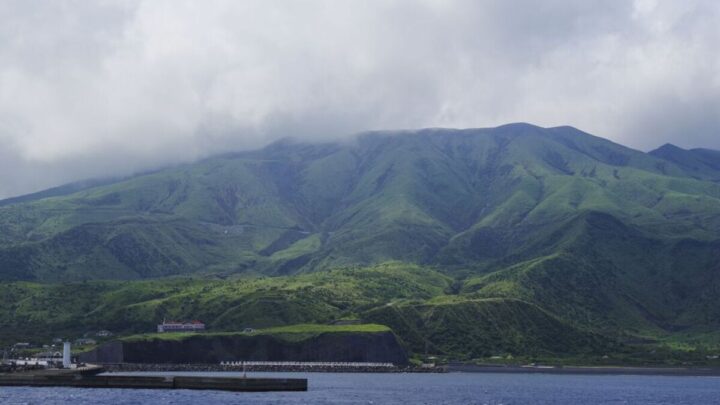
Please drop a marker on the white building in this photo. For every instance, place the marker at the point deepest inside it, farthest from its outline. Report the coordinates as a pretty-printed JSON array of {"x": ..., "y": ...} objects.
[{"x": 172, "y": 326}]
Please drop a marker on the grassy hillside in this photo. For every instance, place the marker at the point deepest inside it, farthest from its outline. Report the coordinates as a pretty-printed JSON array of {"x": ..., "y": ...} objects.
[
  {"x": 288, "y": 332},
  {"x": 409, "y": 299},
  {"x": 421, "y": 306},
  {"x": 44, "y": 311}
]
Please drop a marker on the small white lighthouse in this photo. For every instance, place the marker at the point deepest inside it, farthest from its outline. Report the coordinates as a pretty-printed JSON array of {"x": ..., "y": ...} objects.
[{"x": 66, "y": 355}]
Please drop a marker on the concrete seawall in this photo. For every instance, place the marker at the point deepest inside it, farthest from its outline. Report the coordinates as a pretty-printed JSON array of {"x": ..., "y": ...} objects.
[{"x": 153, "y": 382}]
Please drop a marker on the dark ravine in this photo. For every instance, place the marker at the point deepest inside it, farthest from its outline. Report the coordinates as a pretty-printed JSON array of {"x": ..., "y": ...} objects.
[{"x": 213, "y": 349}]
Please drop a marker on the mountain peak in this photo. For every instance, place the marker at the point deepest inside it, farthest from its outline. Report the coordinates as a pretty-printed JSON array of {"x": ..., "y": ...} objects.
[
  {"x": 695, "y": 160},
  {"x": 668, "y": 147},
  {"x": 519, "y": 126}
]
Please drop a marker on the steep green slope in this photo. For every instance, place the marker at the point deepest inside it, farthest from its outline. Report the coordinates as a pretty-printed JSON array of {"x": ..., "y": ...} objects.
[
  {"x": 462, "y": 198},
  {"x": 603, "y": 274},
  {"x": 474, "y": 328}
]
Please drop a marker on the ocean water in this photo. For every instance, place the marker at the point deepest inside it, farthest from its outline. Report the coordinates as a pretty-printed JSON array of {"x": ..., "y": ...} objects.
[{"x": 451, "y": 388}]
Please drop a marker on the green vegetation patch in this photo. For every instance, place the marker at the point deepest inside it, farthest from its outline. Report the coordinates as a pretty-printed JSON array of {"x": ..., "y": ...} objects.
[{"x": 289, "y": 332}]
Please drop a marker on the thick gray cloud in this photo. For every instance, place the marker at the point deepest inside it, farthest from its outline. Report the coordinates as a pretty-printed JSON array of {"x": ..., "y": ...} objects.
[{"x": 92, "y": 89}]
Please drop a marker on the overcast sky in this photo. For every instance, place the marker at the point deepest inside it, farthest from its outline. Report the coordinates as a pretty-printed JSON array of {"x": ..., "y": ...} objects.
[{"x": 97, "y": 88}]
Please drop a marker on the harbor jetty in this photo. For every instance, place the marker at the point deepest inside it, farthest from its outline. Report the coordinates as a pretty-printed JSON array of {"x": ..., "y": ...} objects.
[
  {"x": 90, "y": 377},
  {"x": 17, "y": 372}
]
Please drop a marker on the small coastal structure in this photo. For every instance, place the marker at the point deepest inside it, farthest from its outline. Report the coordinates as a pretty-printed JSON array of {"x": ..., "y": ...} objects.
[
  {"x": 103, "y": 333},
  {"x": 40, "y": 361},
  {"x": 54, "y": 373},
  {"x": 48, "y": 356},
  {"x": 174, "y": 326}
]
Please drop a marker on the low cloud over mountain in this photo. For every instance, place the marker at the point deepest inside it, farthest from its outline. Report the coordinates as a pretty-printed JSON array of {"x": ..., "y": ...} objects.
[{"x": 92, "y": 89}]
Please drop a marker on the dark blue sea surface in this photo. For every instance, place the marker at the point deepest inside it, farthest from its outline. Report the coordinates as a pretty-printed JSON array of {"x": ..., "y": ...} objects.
[{"x": 451, "y": 388}]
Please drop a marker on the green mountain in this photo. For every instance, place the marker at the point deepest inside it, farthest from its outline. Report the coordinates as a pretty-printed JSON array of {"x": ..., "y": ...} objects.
[{"x": 528, "y": 233}]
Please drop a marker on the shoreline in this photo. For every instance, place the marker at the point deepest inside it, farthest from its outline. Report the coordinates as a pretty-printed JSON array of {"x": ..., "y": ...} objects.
[
  {"x": 150, "y": 367},
  {"x": 588, "y": 370},
  {"x": 452, "y": 368}
]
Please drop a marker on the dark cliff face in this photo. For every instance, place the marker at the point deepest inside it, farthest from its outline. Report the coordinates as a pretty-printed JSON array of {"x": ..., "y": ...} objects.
[{"x": 341, "y": 347}]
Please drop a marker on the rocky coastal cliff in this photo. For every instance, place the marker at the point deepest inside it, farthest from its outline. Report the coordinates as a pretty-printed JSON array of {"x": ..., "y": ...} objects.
[{"x": 214, "y": 348}]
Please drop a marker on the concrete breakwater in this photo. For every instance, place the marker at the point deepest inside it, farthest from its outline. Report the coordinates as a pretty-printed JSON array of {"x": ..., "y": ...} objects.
[
  {"x": 266, "y": 367},
  {"x": 154, "y": 382}
]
